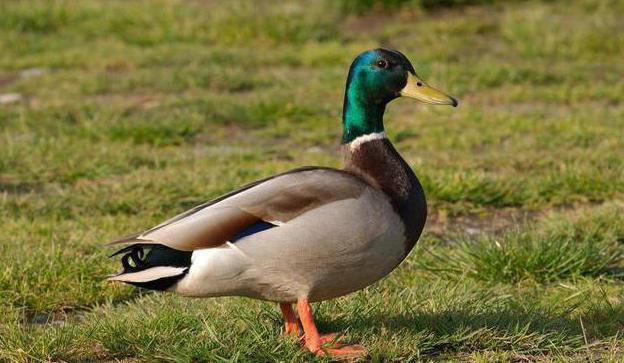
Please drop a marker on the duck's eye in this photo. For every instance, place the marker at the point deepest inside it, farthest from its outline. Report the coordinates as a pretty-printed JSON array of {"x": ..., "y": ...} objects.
[{"x": 382, "y": 63}]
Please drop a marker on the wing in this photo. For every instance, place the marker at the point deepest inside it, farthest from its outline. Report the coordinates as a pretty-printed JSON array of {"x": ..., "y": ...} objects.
[{"x": 275, "y": 200}]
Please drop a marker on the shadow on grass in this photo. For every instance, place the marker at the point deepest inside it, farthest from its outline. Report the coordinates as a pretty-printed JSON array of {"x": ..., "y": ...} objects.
[{"x": 457, "y": 330}]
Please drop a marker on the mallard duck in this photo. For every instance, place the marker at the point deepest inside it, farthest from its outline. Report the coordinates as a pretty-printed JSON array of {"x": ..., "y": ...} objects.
[{"x": 308, "y": 234}]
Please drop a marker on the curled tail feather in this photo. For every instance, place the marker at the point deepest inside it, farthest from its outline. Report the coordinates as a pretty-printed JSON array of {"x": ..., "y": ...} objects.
[{"x": 152, "y": 266}]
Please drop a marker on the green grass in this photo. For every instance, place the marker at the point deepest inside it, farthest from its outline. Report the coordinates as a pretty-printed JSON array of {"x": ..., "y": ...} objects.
[
  {"x": 561, "y": 248},
  {"x": 131, "y": 112}
]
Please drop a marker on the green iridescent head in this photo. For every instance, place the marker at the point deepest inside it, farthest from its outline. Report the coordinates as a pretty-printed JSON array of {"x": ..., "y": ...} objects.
[{"x": 376, "y": 77}]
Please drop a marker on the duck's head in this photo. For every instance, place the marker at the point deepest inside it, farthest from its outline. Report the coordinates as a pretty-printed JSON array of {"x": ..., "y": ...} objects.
[{"x": 377, "y": 77}]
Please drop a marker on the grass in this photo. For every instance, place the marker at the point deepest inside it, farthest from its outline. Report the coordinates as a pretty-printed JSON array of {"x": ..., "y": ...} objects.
[
  {"x": 130, "y": 112},
  {"x": 559, "y": 249}
]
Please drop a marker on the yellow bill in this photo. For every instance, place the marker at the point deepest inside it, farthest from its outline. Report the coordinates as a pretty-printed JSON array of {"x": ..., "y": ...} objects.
[{"x": 418, "y": 89}]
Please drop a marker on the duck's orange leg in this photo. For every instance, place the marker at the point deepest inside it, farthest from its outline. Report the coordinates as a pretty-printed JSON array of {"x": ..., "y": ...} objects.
[
  {"x": 291, "y": 323},
  {"x": 314, "y": 341}
]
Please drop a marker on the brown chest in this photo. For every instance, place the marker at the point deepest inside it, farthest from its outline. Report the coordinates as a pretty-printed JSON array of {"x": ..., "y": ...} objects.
[{"x": 379, "y": 164}]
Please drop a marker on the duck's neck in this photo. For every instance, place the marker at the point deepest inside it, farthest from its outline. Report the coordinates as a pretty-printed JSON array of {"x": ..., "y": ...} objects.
[
  {"x": 373, "y": 158},
  {"x": 370, "y": 155},
  {"x": 361, "y": 115}
]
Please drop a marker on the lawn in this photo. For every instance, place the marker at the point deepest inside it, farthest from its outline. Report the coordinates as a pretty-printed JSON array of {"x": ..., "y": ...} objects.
[{"x": 116, "y": 115}]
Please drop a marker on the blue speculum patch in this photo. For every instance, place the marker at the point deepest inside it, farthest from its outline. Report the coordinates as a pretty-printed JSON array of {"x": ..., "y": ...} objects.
[{"x": 253, "y": 229}]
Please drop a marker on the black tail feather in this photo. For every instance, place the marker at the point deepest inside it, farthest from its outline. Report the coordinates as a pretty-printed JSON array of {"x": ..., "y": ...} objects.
[{"x": 139, "y": 257}]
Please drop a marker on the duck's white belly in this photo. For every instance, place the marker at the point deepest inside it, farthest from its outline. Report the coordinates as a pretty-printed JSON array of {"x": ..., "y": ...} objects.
[{"x": 327, "y": 252}]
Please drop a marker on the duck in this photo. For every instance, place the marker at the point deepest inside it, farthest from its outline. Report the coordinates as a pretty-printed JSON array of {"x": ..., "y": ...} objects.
[{"x": 305, "y": 235}]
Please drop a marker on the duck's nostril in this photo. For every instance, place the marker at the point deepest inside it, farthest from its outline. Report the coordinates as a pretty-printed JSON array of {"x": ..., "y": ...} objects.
[{"x": 419, "y": 84}]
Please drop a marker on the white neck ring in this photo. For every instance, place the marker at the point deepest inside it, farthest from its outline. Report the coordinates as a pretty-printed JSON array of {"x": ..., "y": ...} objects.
[{"x": 358, "y": 141}]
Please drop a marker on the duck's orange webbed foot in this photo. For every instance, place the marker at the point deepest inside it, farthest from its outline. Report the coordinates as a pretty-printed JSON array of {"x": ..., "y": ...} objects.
[
  {"x": 345, "y": 351},
  {"x": 325, "y": 344}
]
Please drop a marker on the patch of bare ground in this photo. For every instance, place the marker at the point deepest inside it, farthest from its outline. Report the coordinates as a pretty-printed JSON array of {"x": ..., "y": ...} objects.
[
  {"x": 233, "y": 132},
  {"x": 492, "y": 220},
  {"x": 55, "y": 317},
  {"x": 68, "y": 313},
  {"x": 373, "y": 22},
  {"x": 369, "y": 23},
  {"x": 131, "y": 101},
  {"x": 7, "y": 78}
]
